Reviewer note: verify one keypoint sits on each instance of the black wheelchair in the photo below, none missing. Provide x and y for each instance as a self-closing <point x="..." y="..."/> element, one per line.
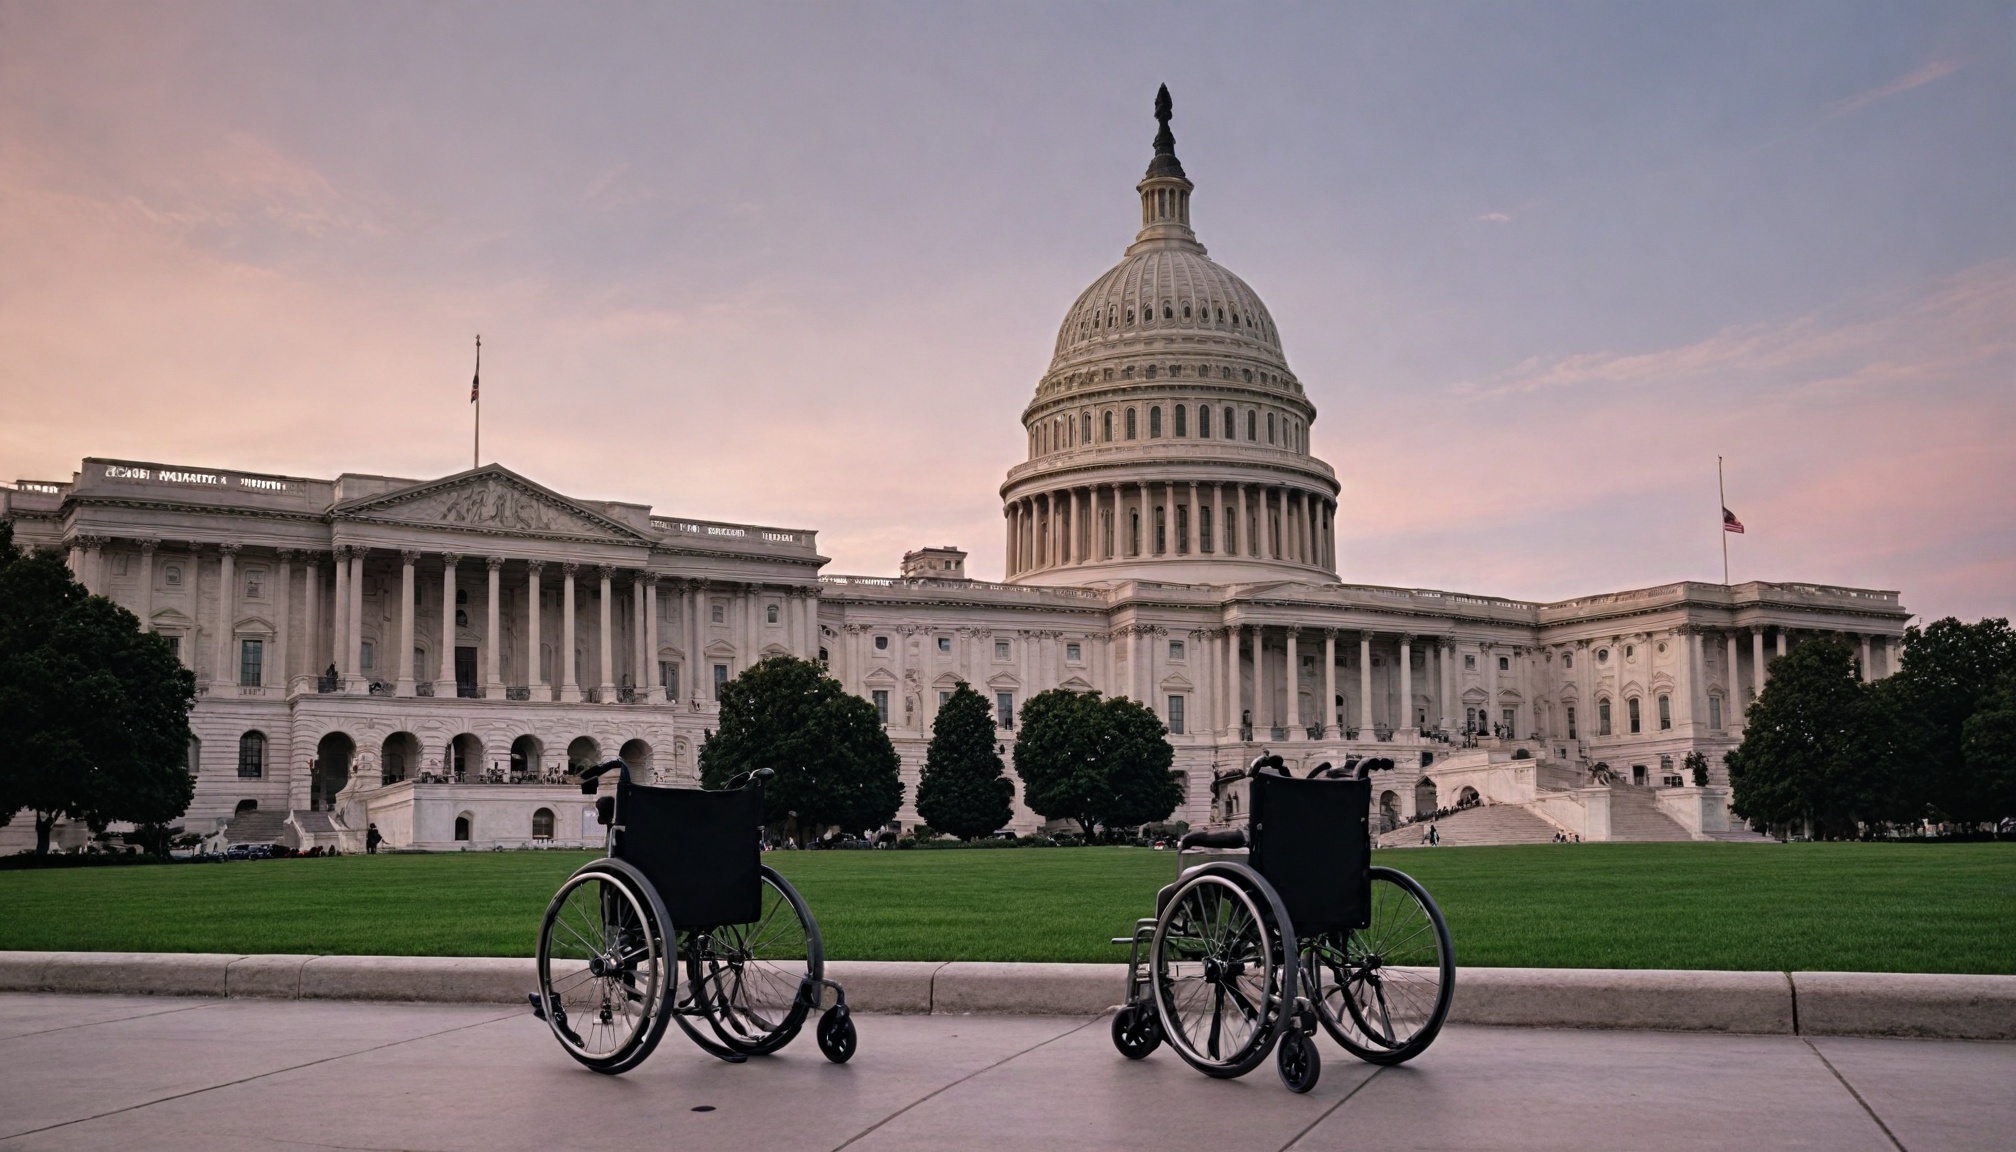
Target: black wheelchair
<point x="1244" y="956"/>
<point x="682" y="921"/>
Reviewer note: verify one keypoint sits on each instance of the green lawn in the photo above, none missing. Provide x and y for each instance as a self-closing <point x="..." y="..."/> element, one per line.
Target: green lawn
<point x="1855" y="907"/>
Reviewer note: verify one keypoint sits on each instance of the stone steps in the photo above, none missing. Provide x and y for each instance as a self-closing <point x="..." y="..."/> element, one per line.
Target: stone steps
<point x="1635" y="816"/>
<point x="256" y="827"/>
<point x="1489" y="824"/>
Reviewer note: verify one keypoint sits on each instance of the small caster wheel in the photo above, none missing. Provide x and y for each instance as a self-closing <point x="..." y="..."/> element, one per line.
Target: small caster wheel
<point x="1297" y="1061"/>
<point x="836" y="1034"/>
<point x="1136" y="1031"/>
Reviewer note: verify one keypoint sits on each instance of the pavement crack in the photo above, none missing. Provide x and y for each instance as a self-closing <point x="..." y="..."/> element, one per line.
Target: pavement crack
<point x="1297" y="1138"/>
<point x="942" y="1089"/>
<point x="1871" y="1112"/>
<point x="116" y="1020"/>
<point x="256" y="1076"/>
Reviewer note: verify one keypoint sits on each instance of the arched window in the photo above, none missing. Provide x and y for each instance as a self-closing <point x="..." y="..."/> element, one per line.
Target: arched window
<point x="1203" y="422"/>
<point x="1631" y="713"/>
<point x="462" y="827"/>
<point x="1131" y="431"/>
<point x="1151" y="370"/>
<point x="1665" y="713"/>
<point x="1603" y="717"/>
<point x="1252" y="424"/>
<point x="252" y="755"/>
<point x="1231" y="424"/>
<point x="1270" y="427"/>
<point x="542" y="824"/>
<point x="1167" y="312"/>
<point x="1106" y="425"/>
<point x="1182" y="424"/>
<point x="1085" y="430"/>
<point x="1155" y="422"/>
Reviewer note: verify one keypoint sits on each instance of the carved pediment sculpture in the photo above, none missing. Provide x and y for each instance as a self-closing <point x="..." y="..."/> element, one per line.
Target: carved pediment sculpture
<point x="491" y="503"/>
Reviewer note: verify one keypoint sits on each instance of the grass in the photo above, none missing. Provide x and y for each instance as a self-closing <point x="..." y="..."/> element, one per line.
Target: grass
<point x="1837" y="907"/>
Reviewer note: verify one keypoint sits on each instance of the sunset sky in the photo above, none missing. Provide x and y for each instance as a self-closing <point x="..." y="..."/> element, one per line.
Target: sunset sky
<point x="802" y="265"/>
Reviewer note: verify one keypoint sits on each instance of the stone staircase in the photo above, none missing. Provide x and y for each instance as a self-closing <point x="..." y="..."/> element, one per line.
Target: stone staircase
<point x="256" y="827"/>
<point x="1489" y="824"/>
<point x="1635" y="816"/>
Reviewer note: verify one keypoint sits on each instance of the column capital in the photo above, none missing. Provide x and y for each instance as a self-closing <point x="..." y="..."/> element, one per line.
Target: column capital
<point x="650" y="579"/>
<point x="493" y="562"/>
<point x="570" y="568"/>
<point x="149" y="544"/>
<point x="606" y="571"/>
<point x="451" y="559"/>
<point x="1408" y="638"/>
<point x="533" y="566"/>
<point x="287" y="555"/>
<point x="409" y="556"/>
<point x="229" y="547"/>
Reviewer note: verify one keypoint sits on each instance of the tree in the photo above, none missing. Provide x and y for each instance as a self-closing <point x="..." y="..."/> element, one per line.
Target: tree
<point x="1950" y="672"/>
<point x="1988" y="740"/>
<point x="94" y="711"/>
<point x="834" y="763"/>
<point x="1101" y="762"/>
<point x="1806" y="752"/>
<point x="962" y="789"/>
<point x="1697" y="768"/>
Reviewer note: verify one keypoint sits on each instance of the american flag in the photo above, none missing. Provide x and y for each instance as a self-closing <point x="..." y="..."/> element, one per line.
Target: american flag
<point x="476" y="382"/>
<point x="1730" y="523"/>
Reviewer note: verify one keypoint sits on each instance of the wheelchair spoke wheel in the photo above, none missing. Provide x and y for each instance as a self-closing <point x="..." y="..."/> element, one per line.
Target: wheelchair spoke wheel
<point x="1383" y="991"/>
<point x="603" y="971"/>
<point x="1217" y="976"/>
<point x="749" y="980"/>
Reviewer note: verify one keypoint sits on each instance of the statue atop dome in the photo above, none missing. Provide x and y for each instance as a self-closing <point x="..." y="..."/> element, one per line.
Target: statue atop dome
<point x="1165" y="162"/>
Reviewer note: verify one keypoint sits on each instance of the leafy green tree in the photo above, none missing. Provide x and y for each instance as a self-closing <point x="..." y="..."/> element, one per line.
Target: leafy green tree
<point x="1988" y="740"/>
<point x="94" y="711"/>
<point x="1697" y="768"/>
<point x="1950" y="672"/>
<point x="834" y="763"/>
<point x="962" y="790"/>
<point x="1806" y="753"/>
<point x="1101" y="762"/>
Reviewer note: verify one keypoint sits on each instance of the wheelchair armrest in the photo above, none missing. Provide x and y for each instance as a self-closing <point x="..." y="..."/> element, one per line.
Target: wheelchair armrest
<point x="1221" y="838"/>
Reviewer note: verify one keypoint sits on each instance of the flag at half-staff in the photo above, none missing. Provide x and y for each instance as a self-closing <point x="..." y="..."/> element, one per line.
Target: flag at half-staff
<point x="1730" y="523"/>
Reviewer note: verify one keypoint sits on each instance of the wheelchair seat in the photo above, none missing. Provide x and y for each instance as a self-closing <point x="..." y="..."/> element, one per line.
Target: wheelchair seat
<point x="700" y="849"/>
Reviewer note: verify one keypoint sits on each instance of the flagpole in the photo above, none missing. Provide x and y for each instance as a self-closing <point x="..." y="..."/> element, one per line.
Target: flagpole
<point x="1723" y="496"/>
<point x="476" y="394"/>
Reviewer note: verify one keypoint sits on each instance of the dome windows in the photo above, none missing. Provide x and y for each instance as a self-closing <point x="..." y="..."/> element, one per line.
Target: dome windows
<point x="1221" y="315"/>
<point x="1247" y="373"/>
<point x="1182" y="424"/>
<point x="1168" y="313"/>
<point x="1231" y="424"/>
<point x="1130" y="317"/>
<point x="1132" y="433"/>
<point x="1186" y="311"/>
<point x="1106" y="426"/>
<point x="1150" y="371"/>
<point x="1155" y="422"/>
<point x="1203" y="421"/>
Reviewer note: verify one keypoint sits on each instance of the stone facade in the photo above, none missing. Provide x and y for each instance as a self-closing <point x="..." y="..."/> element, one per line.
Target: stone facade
<point x="430" y="655"/>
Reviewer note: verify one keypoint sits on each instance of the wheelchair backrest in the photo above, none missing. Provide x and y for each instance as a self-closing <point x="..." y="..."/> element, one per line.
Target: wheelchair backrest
<point x="700" y="849"/>
<point x="1312" y="842"/>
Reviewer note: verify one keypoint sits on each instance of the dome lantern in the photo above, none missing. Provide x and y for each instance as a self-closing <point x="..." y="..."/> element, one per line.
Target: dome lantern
<point x="1165" y="190"/>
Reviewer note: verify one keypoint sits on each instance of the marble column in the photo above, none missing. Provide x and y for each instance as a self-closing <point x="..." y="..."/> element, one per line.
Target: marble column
<point x="444" y="682"/>
<point x="1329" y="682"/>
<point x="1488" y="653"/>
<point x="651" y="681"/>
<point x="1190" y="523"/>
<point x="1868" y="669"/>
<point x="1892" y="646"/>
<point x="535" y="676"/>
<point x="1263" y="699"/>
<point x="1246" y="535"/>
<point x="226" y="671"/>
<point x="405" y="683"/>
<point x="356" y="616"/>
<point x="1077" y="530"/>
<point x="696" y="629"/>
<point x="1696" y="722"/>
<point x="1759" y="673"/>
<point x="1732" y="688"/>
<point x="493" y="630"/>
<point x="1365" y="686"/>
<point x="640" y="680"/>
<point x="146" y="601"/>
<point x="1403" y="724"/>
<point x="339" y="611"/>
<point x="312" y="592"/>
<point x="1781" y="643"/>
<point x="1008" y="541"/>
<point x="1293" y="663"/>
<point x="605" y="686"/>
<point x="1229" y="693"/>
<point x="1445" y="656"/>
<point x="283" y="613"/>
<point x="570" y="687"/>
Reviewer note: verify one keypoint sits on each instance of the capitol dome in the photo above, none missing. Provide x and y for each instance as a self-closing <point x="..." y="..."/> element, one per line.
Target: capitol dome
<point x="1168" y="439"/>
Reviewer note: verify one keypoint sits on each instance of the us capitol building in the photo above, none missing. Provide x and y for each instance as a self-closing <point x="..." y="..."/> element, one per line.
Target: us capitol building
<point x="430" y="655"/>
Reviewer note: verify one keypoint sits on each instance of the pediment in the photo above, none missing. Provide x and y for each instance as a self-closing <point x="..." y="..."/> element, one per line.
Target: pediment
<point x="1076" y="684"/>
<point x="1004" y="682"/>
<point x="490" y="500"/>
<point x="1182" y="684"/>
<point x="948" y="681"/>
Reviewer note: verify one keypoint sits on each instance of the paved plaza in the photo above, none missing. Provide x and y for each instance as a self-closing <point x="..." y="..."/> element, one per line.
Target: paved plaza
<point x="107" y="1071"/>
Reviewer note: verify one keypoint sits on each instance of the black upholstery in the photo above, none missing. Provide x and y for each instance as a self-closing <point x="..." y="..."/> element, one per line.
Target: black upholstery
<point x="699" y="849"/>
<point x="1312" y="842"/>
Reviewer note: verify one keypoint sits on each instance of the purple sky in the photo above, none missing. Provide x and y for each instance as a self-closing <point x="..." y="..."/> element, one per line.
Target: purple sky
<point x="1537" y="265"/>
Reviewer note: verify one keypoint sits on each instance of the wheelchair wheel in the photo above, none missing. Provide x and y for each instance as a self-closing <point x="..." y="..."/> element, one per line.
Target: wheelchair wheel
<point x="604" y="974"/>
<point x="1136" y="1033"/>
<point x="1383" y="991"/>
<point x="1218" y="971"/>
<point x="748" y="980"/>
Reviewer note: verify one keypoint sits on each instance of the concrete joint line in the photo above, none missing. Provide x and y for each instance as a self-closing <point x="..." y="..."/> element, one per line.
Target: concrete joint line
<point x="1359" y="1087"/>
<point x="1866" y="1109"/>
<point x="1792" y="990"/>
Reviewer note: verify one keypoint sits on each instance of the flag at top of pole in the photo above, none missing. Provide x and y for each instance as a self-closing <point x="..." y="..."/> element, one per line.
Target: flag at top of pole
<point x="476" y="398"/>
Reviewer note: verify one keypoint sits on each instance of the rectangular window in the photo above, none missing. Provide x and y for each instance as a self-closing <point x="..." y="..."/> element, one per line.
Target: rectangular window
<point x="720" y="679"/>
<point x="1001" y="650"/>
<point x="1004" y="710"/>
<point x="1603" y="718"/>
<point x="1571" y="723"/>
<point x="668" y="676"/>
<point x="365" y="655"/>
<point x="1204" y="521"/>
<point x="881" y="696"/>
<point x="1252" y="424"/>
<point x="1510" y="720"/>
<point x="420" y="664"/>
<point x="1567" y="660"/>
<point x="944" y="644"/>
<point x="1270" y="428"/>
<point x="1175" y="649"/>
<point x="718" y="613"/>
<point x="1182" y="425"/>
<point x="1231" y="537"/>
<point x="1161" y="532"/>
<point x="175" y="646"/>
<point x="172" y="575"/>
<point x="1504" y="663"/>
<point x="1665" y="713"/>
<point x="251" y="756"/>
<point x="1176" y="715"/>
<point x="251" y="663"/>
<point x="255" y="583"/>
<point x="1182" y="528"/>
<point x="1073" y="653"/>
<point x="1470" y="663"/>
<point x="1631" y="706"/>
<point x="944" y="698"/>
<point x="1715" y="713"/>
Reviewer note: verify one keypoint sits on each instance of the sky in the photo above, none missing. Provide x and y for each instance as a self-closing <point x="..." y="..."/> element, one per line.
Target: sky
<point x="1537" y="265"/>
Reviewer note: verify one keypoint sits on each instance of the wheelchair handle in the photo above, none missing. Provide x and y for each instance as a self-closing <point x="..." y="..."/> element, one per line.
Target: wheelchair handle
<point x="589" y="776"/>
<point x="753" y="776"/>
<point x="1266" y="761"/>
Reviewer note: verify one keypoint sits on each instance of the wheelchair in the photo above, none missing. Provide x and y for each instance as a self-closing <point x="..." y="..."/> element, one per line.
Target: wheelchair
<point x="682" y="921"/>
<point x="1247" y="955"/>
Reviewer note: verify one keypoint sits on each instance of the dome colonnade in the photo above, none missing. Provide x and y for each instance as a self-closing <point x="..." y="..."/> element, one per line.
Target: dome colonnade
<point x="1169" y="438"/>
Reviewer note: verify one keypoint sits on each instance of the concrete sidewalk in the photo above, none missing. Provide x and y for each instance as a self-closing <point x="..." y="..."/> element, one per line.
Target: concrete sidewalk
<point x="102" y="1072"/>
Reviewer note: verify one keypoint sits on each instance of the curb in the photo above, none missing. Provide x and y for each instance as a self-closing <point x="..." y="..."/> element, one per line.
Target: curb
<point x="1950" y="1007"/>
